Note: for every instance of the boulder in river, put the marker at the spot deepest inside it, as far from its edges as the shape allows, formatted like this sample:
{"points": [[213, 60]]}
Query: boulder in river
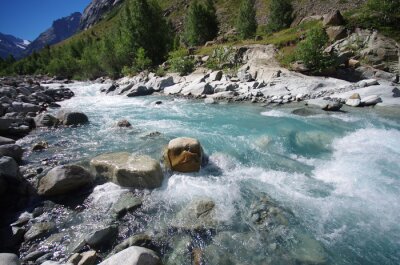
{"points": [[134, 256], [140, 90], [199, 215], [354, 100], [124, 169], [39, 230], [40, 146], [184, 155], [46, 120], [102, 236], [371, 100], [332, 106], [124, 124], [72, 118], [64, 179], [9, 259]]}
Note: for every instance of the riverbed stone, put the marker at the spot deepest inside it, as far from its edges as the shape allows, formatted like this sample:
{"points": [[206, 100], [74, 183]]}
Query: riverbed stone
{"points": [[134, 256], [39, 146], [371, 100], [12, 150], [127, 202], [140, 90], [72, 118], [332, 106], [102, 236], [39, 230], [124, 124], [46, 120], [9, 259], [140, 240], [198, 216], [124, 169], [63, 180], [5, 140], [85, 258], [183, 155]]}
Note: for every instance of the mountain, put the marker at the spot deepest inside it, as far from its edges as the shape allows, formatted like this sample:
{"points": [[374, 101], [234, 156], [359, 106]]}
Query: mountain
{"points": [[60, 30], [12, 45], [95, 11]]}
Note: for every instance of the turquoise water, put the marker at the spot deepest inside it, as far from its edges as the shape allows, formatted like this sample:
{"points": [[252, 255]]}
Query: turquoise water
{"points": [[335, 177]]}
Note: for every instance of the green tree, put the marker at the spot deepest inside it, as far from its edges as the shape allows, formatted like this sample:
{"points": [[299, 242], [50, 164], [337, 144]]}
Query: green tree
{"points": [[386, 11], [201, 23], [311, 51], [247, 23], [280, 15], [144, 26]]}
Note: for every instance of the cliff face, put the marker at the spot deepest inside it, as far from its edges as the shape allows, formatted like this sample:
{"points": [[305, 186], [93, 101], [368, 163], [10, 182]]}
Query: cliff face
{"points": [[60, 30], [95, 12]]}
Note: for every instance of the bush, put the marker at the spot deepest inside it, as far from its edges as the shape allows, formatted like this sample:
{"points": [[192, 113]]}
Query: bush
{"points": [[201, 23], [222, 57], [280, 15], [311, 51], [387, 12], [247, 23], [180, 62]]}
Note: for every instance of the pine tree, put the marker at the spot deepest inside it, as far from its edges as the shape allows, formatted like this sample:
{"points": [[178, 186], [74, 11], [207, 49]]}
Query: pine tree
{"points": [[280, 15], [201, 23], [247, 22]]}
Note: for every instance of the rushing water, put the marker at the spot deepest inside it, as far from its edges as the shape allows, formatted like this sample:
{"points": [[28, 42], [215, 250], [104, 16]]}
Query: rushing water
{"points": [[337, 177]]}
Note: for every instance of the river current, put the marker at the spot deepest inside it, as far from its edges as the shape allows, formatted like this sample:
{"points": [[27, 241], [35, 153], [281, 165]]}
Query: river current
{"points": [[336, 176]]}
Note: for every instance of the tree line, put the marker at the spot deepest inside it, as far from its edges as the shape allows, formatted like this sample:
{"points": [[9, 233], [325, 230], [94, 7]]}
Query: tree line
{"points": [[142, 39]]}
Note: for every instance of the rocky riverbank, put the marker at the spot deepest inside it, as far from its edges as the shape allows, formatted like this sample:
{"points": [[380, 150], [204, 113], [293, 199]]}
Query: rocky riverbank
{"points": [[262, 80]]}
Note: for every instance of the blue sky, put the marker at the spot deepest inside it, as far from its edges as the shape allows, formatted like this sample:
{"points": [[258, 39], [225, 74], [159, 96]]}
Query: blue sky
{"points": [[26, 19]]}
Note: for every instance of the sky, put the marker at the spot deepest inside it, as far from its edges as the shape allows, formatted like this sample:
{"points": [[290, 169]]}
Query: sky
{"points": [[26, 19]]}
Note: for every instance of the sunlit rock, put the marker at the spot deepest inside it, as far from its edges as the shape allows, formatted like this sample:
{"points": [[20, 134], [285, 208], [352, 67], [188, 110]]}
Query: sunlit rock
{"points": [[134, 256], [63, 180], [124, 169], [183, 155]]}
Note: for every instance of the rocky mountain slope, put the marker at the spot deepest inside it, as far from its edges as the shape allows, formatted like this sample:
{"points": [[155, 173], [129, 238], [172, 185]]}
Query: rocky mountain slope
{"points": [[12, 45], [95, 11], [61, 29], [176, 10]]}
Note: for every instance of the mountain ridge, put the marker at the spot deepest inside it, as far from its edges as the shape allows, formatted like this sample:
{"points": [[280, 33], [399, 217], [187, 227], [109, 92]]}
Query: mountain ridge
{"points": [[11, 45]]}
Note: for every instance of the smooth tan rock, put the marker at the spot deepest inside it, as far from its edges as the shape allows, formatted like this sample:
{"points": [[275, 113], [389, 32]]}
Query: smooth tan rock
{"points": [[355, 96], [183, 155], [128, 170]]}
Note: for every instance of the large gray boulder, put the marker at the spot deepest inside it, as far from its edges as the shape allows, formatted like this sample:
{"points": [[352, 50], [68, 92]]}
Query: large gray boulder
{"points": [[12, 150], [39, 230], [9, 259], [63, 180], [134, 256], [140, 90], [102, 236], [197, 89], [124, 169], [158, 83], [72, 118]]}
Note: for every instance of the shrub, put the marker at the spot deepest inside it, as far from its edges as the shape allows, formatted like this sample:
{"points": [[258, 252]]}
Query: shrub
{"points": [[222, 57], [311, 51], [180, 62]]}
